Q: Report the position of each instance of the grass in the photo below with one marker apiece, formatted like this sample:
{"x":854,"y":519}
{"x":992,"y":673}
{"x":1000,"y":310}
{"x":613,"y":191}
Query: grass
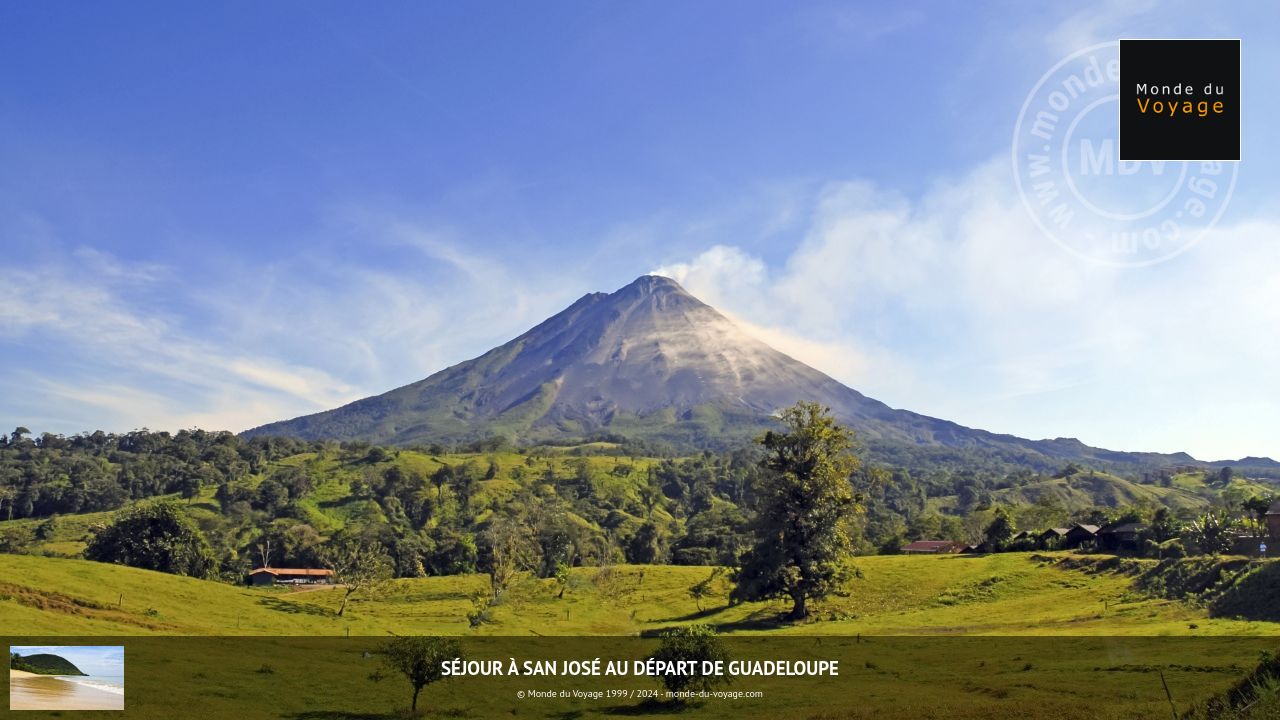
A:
{"x":1009,"y":594}
{"x":943,"y":637}
{"x":893,"y":678}
{"x":1011,"y":635}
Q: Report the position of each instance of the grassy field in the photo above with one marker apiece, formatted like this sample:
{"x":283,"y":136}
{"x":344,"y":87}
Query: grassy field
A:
{"x":1028,"y":635}
{"x":1012,"y":635}
{"x":1007,"y":594}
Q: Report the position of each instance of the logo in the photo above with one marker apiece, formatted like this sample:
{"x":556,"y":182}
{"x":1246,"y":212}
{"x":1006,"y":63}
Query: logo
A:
{"x":1180,"y":99}
{"x":1066,"y":162}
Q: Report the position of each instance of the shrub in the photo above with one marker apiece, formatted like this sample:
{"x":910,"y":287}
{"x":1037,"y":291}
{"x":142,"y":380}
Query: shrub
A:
{"x":1174,"y":548}
{"x":153,"y":536}
{"x":696,"y":643}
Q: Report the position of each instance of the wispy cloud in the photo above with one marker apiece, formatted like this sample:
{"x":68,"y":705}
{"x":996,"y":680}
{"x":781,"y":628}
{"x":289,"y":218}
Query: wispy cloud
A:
{"x":90,"y":318}
{"x":957,"y":305}
{"x":119,"y":345}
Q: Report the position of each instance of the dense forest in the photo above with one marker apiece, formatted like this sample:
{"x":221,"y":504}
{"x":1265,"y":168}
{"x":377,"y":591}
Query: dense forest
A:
{"x":439,"y":510}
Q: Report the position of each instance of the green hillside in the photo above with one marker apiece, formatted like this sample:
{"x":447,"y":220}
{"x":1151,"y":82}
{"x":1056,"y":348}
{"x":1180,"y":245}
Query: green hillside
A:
{"x":44,"y":664}
{"x":334,"y":499}
{"x":1087,"y":488}
{"x":1007,"y":594}
{"x":430,"y":509}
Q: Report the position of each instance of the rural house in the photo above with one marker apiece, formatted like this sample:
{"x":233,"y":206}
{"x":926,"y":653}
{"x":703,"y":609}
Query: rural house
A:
{"x":1124,"y":536}
{"x":934,"y":547}
{"x":1079,"y":535}
{"x":1051,"y":538}
{"x":290,"y":576}
{"x":1273,"y":520}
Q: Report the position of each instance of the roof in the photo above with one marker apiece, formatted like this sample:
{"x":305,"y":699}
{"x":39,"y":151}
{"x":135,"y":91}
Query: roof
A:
{"x":293,"y":571}
{"x":1055,"y":531}
{"x":1091,"y":529}
{"x":1274,"y":509}
{"x":932,"y":545}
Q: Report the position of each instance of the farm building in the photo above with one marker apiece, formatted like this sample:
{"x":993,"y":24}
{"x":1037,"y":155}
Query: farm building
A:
{"x":1079,"y":535}
{"x":290,"y":576}
{"x":1052,"y":538}
{"x":1273,"y":520}
{"x":1124,"y":536}
{"x":934,"y":547}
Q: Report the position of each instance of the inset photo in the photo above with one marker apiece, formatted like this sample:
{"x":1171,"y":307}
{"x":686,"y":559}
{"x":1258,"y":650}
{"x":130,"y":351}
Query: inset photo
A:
{"x":66,"y":677}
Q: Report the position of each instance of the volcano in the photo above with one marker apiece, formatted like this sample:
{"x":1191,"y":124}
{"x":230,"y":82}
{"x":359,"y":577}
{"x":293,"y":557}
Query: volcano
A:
{"x":651,"y":362}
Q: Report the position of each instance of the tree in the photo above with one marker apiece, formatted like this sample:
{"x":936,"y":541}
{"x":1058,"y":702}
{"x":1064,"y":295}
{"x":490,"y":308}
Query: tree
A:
{"x":651,"y":497}
{"x":805,"y":504}
{"x":998,"y":534}
{"x":1211,"y":533}
{"x":702,"y":588}
{"x":648,"y":545}
{"x":7,"y":495}
{"x":420,"y":659}
{"x":1257,"y":507}
{"x":441,"y":477}
{"x":694,"y":643}
{"x":359,"y":566}
{"x":1164,"y":526}
{"x":153,"y":536}
{"x":1225,"y":475}
{"x":508,"y":549}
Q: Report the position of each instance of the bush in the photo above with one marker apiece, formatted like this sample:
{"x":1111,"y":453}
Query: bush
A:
{"x":1150,"y":548}
{"x":153,"y":536}
{"x":697,"y":643}
{"x":1174,"y":548}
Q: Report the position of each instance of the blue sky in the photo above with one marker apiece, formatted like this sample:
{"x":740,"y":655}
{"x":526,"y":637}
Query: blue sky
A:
{"x":91,"y":659}
{"x":226,"y":215}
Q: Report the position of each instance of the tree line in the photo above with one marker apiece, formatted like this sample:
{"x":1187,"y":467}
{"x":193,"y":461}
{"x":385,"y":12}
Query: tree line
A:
{"x":708,"y":509}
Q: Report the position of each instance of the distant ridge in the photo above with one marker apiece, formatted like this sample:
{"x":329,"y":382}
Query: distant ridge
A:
{"x":44,"y":664}
{"x":651,"y":361}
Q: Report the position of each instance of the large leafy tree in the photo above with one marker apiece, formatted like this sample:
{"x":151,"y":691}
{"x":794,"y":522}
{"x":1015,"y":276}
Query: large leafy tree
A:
{"x":153,"y":536}
{"x":999,"y":532}
{"x":805,"y":504}
{"x":360,"y":565}
{"x":420,"y":659}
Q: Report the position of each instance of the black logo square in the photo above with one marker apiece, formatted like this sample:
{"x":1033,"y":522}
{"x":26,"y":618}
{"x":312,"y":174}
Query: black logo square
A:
{"x":1179,"y":99}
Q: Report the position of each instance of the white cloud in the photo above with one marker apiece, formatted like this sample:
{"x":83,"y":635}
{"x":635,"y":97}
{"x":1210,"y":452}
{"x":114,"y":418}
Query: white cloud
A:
{"x":116,"y":345}
{"x":85,"y":319}
{"x":956,"y":305}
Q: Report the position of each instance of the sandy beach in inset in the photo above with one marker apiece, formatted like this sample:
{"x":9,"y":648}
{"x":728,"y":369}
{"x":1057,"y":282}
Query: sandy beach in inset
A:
{"x":28,"y":691}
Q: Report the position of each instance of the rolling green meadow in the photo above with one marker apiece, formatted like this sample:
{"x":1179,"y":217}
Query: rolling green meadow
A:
{"x":1002,"y":594}
{"x":1014,"y":635}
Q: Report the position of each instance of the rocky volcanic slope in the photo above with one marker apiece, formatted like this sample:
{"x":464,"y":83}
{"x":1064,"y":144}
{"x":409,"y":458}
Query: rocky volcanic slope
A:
{"x":648,"y":361}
